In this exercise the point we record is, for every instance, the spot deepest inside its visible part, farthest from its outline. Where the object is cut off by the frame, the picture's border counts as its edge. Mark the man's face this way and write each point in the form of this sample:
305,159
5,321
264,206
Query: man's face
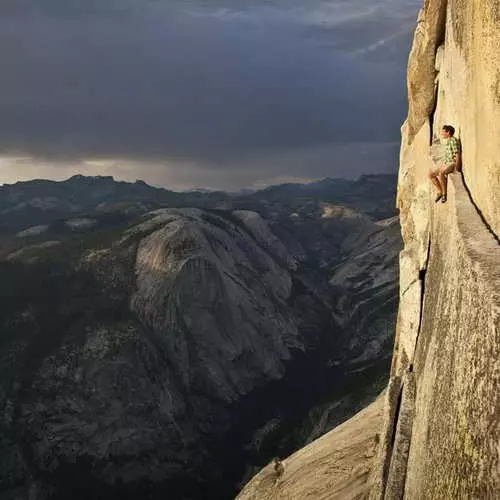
445,133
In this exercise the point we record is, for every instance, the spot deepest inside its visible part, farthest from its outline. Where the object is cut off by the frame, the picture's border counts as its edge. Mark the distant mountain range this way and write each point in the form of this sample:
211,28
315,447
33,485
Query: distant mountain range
36,202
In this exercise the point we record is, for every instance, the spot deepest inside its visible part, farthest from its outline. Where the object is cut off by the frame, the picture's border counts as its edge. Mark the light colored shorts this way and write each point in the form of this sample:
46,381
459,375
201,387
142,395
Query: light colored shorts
448,168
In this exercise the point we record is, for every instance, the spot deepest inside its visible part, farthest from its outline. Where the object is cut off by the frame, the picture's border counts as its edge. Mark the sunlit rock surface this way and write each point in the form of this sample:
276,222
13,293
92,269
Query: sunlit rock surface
441,427
336,466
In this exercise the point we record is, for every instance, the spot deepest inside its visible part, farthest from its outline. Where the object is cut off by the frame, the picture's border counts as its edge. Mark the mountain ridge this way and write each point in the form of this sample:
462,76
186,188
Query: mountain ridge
179,348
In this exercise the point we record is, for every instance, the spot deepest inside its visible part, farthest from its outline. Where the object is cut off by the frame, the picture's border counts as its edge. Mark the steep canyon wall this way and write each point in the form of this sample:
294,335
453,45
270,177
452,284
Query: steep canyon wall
442,415
438,434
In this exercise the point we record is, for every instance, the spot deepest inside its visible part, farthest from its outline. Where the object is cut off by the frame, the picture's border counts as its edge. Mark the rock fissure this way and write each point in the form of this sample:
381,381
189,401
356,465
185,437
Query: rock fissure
393,434
394,489
421,275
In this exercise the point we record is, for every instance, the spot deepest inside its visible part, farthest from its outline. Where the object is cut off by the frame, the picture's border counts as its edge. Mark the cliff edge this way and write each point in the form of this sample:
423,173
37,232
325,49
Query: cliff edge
440,427
337,465
442,413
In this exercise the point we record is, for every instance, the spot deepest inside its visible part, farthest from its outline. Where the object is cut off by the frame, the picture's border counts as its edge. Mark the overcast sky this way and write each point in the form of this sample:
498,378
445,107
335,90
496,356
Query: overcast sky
218,94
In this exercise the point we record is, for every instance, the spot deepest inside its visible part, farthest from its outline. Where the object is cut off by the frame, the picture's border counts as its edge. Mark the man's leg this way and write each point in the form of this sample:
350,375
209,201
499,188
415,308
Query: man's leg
443,179
433,176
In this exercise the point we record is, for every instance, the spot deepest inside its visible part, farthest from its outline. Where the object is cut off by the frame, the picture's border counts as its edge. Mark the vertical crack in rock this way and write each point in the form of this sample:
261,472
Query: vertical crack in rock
397,433
402,439
394,428
391,412
421,275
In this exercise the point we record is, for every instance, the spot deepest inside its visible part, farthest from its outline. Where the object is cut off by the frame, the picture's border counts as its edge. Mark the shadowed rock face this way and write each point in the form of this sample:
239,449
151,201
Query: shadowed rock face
140,360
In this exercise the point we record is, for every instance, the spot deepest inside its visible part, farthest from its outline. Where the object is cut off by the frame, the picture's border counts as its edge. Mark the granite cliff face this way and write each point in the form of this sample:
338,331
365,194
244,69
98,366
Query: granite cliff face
164,353
442,425
440,431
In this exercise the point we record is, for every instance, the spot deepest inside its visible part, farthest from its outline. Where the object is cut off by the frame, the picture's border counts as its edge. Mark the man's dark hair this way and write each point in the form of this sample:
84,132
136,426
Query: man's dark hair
449,129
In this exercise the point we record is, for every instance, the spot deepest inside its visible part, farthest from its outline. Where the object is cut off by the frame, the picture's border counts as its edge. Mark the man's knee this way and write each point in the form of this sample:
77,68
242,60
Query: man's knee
446,169
432,174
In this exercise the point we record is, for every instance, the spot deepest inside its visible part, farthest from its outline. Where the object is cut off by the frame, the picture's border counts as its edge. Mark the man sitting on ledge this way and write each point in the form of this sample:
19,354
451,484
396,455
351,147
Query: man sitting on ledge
451,163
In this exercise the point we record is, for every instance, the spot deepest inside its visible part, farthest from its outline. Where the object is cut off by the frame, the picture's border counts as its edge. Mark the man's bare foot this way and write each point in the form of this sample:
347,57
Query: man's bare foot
438,197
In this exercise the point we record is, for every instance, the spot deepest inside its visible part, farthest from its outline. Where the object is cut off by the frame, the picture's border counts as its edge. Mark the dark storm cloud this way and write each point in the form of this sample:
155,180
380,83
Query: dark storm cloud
267,85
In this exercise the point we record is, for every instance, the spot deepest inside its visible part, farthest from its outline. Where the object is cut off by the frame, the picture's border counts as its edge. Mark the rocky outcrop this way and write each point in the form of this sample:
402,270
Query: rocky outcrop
219,300
454,77
440,426
130,374
335,467
468,96
169,354
441,432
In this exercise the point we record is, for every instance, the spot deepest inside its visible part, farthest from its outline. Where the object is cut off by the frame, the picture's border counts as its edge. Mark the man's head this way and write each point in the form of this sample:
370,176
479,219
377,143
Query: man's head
448,131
